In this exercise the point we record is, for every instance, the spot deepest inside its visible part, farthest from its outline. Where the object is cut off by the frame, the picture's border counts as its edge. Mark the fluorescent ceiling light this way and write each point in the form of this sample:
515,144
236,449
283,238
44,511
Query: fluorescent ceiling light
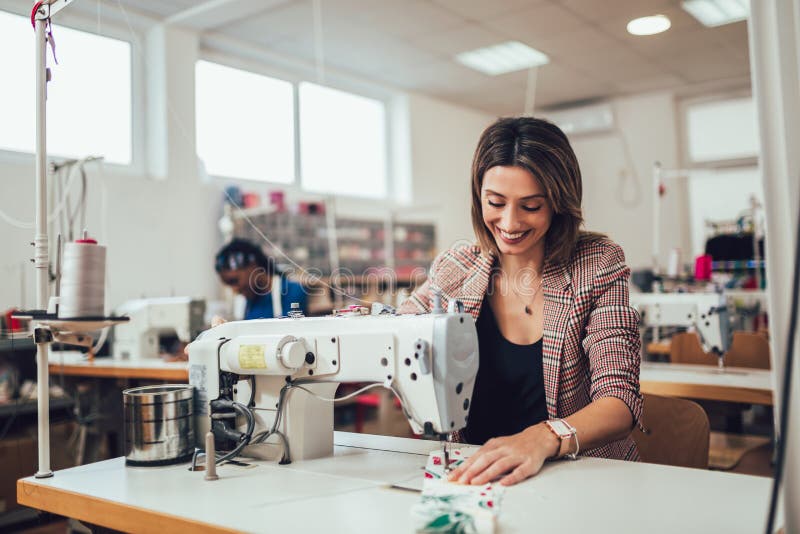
649,25
502,58
717,12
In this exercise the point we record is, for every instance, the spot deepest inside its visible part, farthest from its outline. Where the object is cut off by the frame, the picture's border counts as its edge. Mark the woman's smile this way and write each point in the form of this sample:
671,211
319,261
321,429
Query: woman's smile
511,238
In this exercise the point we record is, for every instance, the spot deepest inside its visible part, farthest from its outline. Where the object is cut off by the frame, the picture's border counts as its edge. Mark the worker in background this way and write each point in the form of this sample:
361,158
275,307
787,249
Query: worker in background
245,268
558,341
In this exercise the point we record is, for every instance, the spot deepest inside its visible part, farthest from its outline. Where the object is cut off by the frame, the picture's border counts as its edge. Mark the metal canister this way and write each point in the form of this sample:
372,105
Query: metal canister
159,424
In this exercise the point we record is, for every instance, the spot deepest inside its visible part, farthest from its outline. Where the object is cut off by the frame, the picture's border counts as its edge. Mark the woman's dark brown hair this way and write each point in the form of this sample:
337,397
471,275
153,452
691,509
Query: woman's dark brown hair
542,149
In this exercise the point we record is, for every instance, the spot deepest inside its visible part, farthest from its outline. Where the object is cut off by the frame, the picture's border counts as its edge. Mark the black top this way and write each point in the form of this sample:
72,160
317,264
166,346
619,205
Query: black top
509,389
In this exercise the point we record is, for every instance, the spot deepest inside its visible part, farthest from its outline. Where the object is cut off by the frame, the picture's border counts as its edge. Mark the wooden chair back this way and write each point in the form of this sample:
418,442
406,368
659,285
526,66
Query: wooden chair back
685,348
748,349
676,432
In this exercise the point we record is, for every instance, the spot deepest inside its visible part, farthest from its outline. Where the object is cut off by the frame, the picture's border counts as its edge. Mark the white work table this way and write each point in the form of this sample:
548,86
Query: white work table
734,384
350,492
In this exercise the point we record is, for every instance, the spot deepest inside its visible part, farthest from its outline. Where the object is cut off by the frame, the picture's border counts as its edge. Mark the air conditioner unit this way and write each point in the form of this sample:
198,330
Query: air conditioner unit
590,119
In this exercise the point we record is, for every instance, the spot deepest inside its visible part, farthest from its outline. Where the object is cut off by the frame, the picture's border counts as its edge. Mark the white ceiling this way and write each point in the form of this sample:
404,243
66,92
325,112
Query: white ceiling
410,44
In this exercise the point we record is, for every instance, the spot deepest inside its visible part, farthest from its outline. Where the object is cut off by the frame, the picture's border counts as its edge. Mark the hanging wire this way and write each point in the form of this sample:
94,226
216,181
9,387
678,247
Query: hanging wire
628,174
530,91
61,191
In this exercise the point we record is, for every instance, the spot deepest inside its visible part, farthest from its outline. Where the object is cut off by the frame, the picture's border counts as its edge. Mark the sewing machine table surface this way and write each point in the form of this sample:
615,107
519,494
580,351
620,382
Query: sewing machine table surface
350,492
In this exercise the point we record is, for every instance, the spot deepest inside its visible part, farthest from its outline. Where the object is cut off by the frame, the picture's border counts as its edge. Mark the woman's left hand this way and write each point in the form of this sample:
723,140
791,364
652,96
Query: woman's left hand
521,456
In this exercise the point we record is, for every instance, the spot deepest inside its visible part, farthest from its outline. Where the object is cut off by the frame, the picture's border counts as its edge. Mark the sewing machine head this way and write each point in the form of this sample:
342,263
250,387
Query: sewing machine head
281,370
706,313
153,320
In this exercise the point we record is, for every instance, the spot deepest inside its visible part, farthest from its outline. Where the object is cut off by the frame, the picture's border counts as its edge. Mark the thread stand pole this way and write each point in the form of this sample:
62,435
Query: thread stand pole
41,259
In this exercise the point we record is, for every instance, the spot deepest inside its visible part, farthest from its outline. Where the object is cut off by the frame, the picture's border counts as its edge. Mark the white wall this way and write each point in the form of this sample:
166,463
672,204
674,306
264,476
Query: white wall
443,140
617,180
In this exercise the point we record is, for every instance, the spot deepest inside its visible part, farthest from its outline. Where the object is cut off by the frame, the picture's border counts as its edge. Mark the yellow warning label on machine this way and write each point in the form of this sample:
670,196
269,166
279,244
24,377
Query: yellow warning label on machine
252,357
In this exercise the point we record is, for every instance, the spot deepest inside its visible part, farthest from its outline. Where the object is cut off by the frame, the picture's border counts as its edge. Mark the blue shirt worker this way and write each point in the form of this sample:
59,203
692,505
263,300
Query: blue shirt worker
244,267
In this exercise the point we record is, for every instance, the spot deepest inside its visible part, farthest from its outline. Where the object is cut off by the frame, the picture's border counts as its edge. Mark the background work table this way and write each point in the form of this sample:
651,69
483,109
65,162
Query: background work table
71,363
735,384
351,492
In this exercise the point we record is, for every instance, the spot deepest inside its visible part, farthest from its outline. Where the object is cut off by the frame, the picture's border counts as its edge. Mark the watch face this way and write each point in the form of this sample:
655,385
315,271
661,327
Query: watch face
560,428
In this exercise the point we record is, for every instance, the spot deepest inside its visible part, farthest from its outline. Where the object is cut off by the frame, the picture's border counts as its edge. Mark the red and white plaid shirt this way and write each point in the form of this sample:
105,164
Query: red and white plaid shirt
591,345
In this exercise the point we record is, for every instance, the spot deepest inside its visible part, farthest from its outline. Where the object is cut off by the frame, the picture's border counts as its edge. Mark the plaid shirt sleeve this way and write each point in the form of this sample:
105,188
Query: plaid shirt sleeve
449,273
420,299
611,338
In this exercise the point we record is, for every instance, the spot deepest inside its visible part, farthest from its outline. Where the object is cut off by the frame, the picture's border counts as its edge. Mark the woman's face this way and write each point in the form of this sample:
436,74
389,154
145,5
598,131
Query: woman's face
240,280
515,209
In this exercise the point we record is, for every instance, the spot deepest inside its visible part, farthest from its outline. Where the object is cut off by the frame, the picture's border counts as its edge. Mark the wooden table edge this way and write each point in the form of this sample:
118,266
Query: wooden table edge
661,347
119,372
707,392
106,513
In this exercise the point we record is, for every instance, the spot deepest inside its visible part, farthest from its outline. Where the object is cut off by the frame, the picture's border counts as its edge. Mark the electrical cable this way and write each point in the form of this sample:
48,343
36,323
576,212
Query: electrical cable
100,340
61,191
783,425
62,219
336,399
246,436
403,404
263,436
629,163
252,380
286,458
85,194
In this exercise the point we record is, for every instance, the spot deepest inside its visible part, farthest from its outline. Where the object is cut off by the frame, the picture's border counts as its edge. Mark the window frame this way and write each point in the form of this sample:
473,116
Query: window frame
390,188
249,62
132,35
683,127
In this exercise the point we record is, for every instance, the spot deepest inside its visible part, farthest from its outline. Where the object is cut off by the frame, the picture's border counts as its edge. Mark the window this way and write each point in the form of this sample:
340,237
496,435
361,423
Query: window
722,147
721,130
245,124
720,195
88,100
342,142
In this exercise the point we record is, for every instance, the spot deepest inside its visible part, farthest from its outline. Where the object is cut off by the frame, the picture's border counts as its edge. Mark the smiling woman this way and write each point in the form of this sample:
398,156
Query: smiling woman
559,343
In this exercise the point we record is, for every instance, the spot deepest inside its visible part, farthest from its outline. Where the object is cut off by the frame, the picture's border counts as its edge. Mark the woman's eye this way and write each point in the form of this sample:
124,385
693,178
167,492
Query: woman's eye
495,204
531,208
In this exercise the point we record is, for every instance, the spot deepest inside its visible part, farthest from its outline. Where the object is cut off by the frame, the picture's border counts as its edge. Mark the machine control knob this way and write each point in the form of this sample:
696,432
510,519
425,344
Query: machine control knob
293,354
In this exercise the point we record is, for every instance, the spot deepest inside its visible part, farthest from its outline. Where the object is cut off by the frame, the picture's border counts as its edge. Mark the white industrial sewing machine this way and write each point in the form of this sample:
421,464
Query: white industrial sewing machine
274,373
706,313
150,319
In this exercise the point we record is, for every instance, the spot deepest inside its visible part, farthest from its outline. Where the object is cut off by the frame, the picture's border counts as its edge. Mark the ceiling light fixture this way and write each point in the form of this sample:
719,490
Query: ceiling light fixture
502,58
649,25
713,13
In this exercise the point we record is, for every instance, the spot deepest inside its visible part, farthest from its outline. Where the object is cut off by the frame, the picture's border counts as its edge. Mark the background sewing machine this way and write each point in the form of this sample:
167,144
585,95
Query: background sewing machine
279,375
705,313
153,320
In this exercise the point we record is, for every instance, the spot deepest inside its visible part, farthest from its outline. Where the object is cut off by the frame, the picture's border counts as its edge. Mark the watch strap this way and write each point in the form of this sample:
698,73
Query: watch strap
570,432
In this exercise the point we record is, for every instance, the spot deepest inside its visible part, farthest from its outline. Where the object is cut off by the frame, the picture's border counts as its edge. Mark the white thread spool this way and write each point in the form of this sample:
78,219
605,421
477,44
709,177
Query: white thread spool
83,280
674,266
